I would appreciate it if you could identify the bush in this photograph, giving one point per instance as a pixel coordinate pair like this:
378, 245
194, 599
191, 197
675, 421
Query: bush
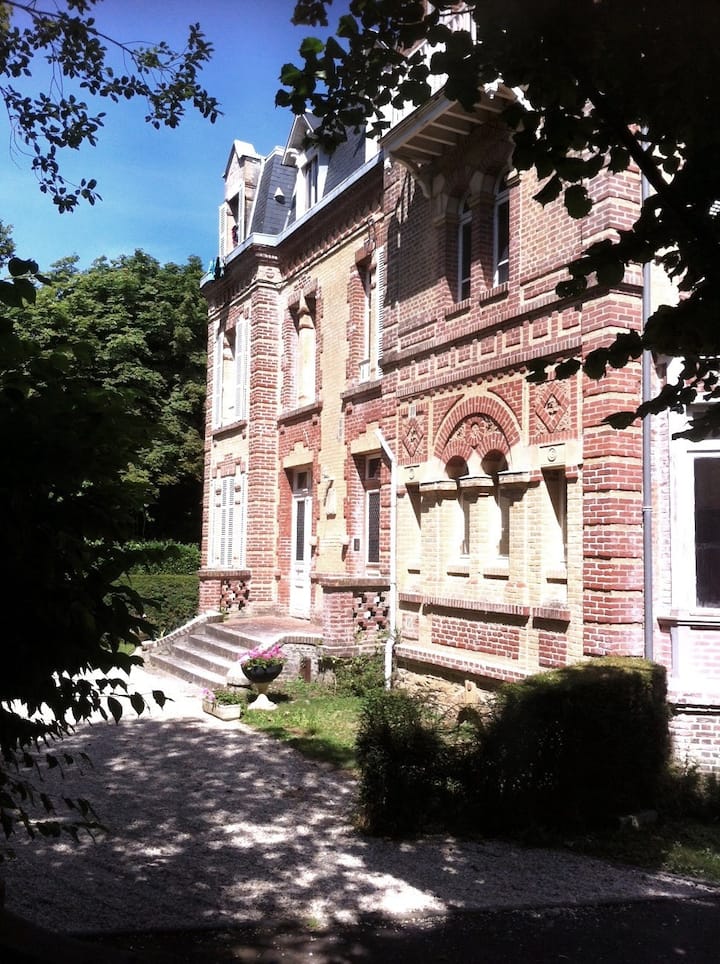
171, 600
359, 675
568, 750
573, 748
400, 752
166, 558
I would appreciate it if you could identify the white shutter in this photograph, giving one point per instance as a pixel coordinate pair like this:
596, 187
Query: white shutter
222, 229
241, 367
240, 518
227, 498
379, 307
217, 380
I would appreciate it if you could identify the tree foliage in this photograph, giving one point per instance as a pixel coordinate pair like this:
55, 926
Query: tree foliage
600, 87
81, 452
142, 328
82, 74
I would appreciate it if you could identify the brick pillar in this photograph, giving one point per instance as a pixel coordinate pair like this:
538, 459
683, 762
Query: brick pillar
612, 493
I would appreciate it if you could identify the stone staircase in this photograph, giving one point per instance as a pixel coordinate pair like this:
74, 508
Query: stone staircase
204, 652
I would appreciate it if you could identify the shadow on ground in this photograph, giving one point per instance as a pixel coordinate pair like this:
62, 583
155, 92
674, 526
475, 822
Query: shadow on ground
216, 825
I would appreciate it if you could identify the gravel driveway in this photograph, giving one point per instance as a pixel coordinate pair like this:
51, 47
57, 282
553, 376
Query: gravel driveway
211, 823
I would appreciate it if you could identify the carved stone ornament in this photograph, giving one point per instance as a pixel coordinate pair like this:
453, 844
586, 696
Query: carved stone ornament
552, 406
474, 429
412, 436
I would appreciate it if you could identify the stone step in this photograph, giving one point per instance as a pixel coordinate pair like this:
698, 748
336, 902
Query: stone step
191, 672
218, 646
189, 652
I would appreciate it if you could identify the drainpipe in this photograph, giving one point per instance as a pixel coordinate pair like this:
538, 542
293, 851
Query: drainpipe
393, 558
648, 609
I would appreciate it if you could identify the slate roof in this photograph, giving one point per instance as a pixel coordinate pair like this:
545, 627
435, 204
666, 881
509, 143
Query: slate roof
274, 211
348, 157
271, 210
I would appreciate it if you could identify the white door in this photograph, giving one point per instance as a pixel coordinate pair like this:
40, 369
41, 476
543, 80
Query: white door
300, 545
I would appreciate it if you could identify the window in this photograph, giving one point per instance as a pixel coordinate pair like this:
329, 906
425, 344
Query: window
310, 176
305, 358
371, 277
695, 558
556, 529
373, 468
232, 374
706, 485
373, 527
228, 522
464, 251
499, 511
501, 233
456, 469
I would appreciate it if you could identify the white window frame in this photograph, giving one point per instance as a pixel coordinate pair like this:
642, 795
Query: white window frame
372, 471
556, 510
684, 455
231, 393
464, 251
501, 224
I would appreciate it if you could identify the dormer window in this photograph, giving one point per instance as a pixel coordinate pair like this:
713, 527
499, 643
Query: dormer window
310, 172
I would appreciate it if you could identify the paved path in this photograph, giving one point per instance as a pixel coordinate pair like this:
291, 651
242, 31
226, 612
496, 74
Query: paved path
211, 824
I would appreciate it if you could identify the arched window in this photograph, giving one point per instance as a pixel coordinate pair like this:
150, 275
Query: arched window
457, 469
499, 520
464, 250
501, 232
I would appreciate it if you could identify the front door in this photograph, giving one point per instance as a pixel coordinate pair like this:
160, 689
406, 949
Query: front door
300, 544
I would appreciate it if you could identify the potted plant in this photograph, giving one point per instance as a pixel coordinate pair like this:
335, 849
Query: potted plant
261, 666
225, 704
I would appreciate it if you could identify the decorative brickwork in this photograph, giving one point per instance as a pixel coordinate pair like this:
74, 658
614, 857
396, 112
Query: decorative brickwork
234, 595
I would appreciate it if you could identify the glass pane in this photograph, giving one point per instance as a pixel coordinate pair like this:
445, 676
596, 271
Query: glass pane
502, 241
707, 531
300, 530
373, 534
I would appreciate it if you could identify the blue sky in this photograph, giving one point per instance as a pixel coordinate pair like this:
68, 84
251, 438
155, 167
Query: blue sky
161, 189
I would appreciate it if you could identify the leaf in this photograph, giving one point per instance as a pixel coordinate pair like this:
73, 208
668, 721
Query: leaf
115, 708
610, 273
311, 46
577, 201
159, 698
620, 420
137, 703
550, 191
17, 267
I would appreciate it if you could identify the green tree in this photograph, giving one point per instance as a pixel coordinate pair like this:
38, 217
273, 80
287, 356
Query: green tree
600, 85
71, 487
144, 328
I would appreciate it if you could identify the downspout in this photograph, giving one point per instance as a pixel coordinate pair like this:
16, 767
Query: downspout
647, 509
392, 608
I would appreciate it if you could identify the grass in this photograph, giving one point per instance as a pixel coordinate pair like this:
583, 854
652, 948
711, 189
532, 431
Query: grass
313, 719
679, 846
322, 725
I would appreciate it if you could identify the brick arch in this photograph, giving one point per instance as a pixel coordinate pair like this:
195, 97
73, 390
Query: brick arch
496, 430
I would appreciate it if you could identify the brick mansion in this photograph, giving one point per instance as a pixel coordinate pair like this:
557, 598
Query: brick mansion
376, 459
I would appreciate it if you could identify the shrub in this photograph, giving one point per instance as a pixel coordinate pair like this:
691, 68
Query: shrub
359, 675
171, 600
400, 753
573, 748
165, 557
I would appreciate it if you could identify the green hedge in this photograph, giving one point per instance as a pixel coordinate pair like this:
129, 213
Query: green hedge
565, 750
171, 600
573, 748
165, 557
